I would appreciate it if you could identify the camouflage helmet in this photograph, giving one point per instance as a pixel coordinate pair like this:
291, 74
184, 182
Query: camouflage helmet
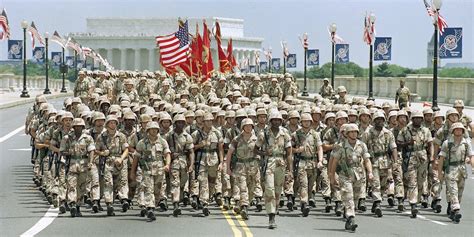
145, 118
111, 118
316, 110
438, 114
151, 125
241, 113
98, 116
306, 117
392, 113
230, 114
208, 117
165, 116
416, 114
246, 121
350, 128
261, 112
188, 114
40, 99
67, 115
341, 114
78, 122
451, 111
199, 113
341, 89
364, 111
179, 117
379, 114
51, 120
352, 112
293, 114
129, 116
76, 100
275, 115
455, 126
402, 113
329, 115
458, 104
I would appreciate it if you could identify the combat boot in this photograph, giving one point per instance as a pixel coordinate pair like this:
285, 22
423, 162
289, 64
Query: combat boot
125, 205
391, 201
328, 207
455, 216
55, 200
361, 205
226, 204
176, 209
244, 213
62, 208
143, 211
311, 201
350, 224
400, 205
194, 202
424, 201
271, 221
414, 210
100, 206
282, 202
163, 205
337, 209
185, 198
304, 209
237, 207
79, 213
66, 206
110, 210
258, 204
378, 210
73, 210
151, 214
95, 206
205, 210
289, 203
218, 199
437, 205
448, 209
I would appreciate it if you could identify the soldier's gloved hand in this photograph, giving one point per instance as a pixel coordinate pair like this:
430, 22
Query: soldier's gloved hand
468, 160
105, 153
89, 166
219, 167
319, 165
167, 168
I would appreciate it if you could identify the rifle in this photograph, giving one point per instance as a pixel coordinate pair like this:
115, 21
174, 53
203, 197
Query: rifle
57, 164
446, 162
197, 162
50, 160
342, 166
264, 161
68, 164
297, 156
102, 159
33, 150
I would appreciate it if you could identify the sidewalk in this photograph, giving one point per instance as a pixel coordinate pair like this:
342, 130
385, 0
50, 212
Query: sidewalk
11, 99
414, 106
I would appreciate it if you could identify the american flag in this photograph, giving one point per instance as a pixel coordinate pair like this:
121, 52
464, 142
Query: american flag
284, 47
86, 51
75, 46
174, 48
335, 38
5, 34
257, 57
437, 18
58, 39
268, 53
35, 34
304, 40
369, 29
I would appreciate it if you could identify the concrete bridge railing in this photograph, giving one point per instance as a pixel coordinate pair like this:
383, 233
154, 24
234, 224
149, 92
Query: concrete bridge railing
13, 83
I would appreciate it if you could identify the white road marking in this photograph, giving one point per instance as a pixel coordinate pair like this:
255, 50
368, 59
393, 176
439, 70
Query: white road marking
20, 149
426, 219
11, 134
44, 222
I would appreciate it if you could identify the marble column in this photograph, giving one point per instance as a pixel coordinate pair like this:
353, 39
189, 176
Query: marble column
151, 59
109, 56
137, 59
123, 59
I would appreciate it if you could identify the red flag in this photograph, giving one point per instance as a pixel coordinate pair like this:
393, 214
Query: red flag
224, 65
230, 56
207, 66
196, 48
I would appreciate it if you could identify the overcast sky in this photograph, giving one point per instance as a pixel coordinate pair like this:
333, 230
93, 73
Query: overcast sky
406, 21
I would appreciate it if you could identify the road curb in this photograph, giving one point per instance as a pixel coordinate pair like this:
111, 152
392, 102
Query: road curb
31, 100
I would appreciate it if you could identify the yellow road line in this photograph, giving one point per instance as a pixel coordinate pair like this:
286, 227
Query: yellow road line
244, 226
233, 226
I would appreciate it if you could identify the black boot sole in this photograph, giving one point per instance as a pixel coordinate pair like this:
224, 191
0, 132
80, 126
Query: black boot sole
205, 211
414, 213
176, 212
312, 203
457, 218
305, 211
378, 212
73, 212
438, 208
259, 207
125, 207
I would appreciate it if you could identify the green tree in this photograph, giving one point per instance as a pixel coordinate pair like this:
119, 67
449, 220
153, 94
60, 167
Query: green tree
383, 70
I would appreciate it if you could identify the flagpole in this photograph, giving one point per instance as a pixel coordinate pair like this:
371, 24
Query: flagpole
305, 89
75, 64
284, 63
46, 90
24, 93
435, 69
371, 57
63, 70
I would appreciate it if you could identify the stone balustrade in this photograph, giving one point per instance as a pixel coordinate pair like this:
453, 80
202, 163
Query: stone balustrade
449, 89
10, 82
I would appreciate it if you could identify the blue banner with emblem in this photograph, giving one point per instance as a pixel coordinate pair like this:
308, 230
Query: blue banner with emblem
15, 49
313, 57
275, 64
80, 64
70, 61
342, 53
383, 49
56, 58
263, 67
451, 43
38, 55
252, 68
291, 61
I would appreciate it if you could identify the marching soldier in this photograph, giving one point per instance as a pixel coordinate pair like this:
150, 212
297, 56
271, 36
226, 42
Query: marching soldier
402, 97
351, 163
326, 90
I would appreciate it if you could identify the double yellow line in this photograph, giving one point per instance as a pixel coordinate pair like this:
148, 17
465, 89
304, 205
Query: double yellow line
235, 228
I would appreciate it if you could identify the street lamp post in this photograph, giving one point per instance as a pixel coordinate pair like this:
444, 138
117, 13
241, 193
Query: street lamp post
437, 4
270, 60
46, 89
332, 29
63, 71
24, 93
305, 88
371, 61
